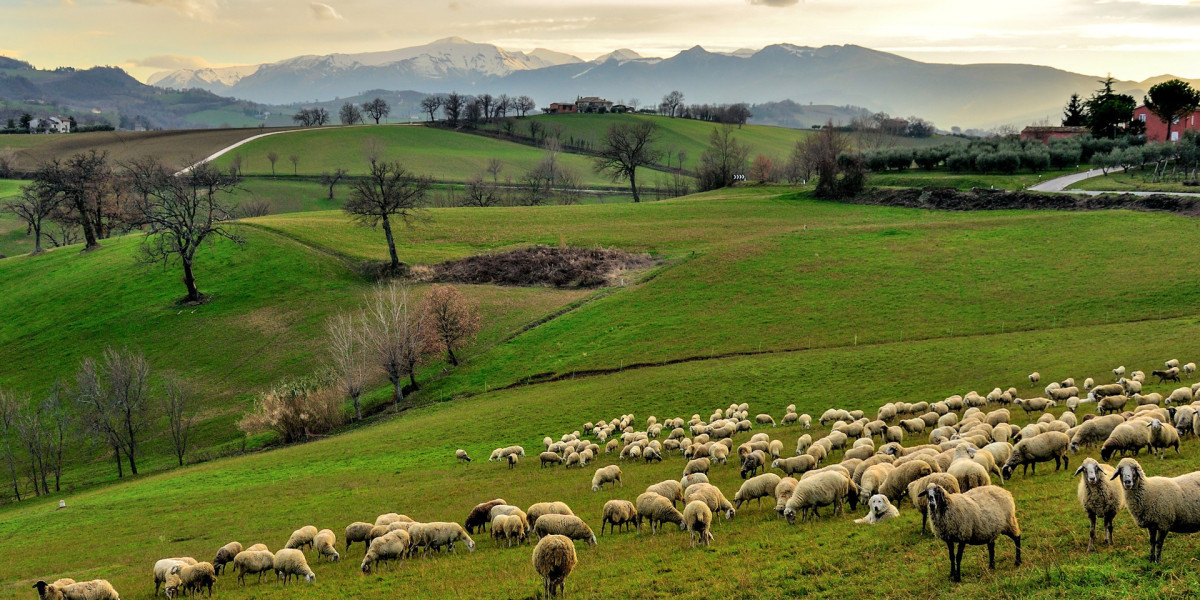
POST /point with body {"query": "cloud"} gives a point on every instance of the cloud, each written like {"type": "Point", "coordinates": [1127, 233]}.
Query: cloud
{"type": "Point", "coordinates": [773, 3]}
{"type": "Point", "coordinates": [193, 9]}
{"type": "Point", "coordinates": [324, 12]}
{"type": "Point", "coordinates": [170, 62]}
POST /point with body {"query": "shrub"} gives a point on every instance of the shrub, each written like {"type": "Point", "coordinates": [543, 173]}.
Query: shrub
{"type": "Point", "coordinates": [296, 410]}
{"type": "Point", "coordinates": [1035, 159]}
{"type": "Point", "coordinates": [1063, 156]}
{"type": "Point", "coordinates": [876, 161]}
{"type": "Point", "coordinates": [899, 159]}
{"type": "Point", "coordinates": [928, 158]}
{"type": "Point", "coordinates": [960, 161]}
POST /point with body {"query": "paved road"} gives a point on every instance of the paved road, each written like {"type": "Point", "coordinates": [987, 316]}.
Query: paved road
{"type": "Point", "coordinates": [1059, 184]}
{"type": "Point", "coordinates": [226, 149]}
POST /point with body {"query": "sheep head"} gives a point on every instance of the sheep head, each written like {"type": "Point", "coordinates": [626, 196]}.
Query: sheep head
{"type": "Point", "coordinates": [1090, 470]}
{"type": "Point", "coordinates": [1130, 472]}
{"type": "Point", "coordinates": [936, 498]}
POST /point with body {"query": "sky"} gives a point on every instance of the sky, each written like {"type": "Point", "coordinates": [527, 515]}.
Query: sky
{"type": "Point", "coordinates": [1131, 39]}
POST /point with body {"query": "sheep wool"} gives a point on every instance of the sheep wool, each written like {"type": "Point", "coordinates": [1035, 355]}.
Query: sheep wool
{"type": "Point", "coordinates": [1100, 496]}
{"type": "Point", "coordinates": [289, 563]}
{"type": "Point", "coordinates": [756, 488]}
{"type": "Point", "coordinates": [975, 517]}
{"type": "Point", "coordinates": [1161, 505]}
{"type": "Point", "coordinates": [225, 555]}
{"type": "Point", "coordinates": [383, 550]}
{"type": "Point", "coordinates": [326, 544]}
{"type": "Point", "coordinates": [554, 559]}
{"type": "Point", "coordinates": [697, 519]}
{"type": "Point", "coordinates": [610, 474]}
{"type": "Point", "coordinates": [302, 537]}
{"type": "Point", "coordinates": [253, 562]}
{"type": "Point", "coordinates": [569, 525]}
{"type": "Point", "coordinates": [96, 589]}
{"type": "Point", "coordinates": [619, 513]}
{"type": "Point", "coordinates": [712, 496]}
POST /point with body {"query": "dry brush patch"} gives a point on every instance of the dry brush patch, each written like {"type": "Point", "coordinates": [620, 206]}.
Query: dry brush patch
{"type": "Point", "coordinates": [562, 267]}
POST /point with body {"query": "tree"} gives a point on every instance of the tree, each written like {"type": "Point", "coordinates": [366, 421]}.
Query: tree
{"type": "Point", "coordinates": [1108, 111]}
{"type": "Point", "coordinates": [480, 193]}
{"type": "Point", "coordinates": [29, 427]}
{"type": "Point", "coordinates": [182, 212]}
{"type": "Point", "coordinates": [350, 114]}
{"type": "Point", "coordinates": [347, 345]}
{"type": "Point", "coordinates": [304, 117]}
{"type": "Point", "coordinates": [672, 102]}
{"type": "Point", "coordinates": [272, 157]}
{"type": "Point", "coordinates": [88, 194]}
{"type": "Point", "coordinates": [762, 169]}
{"type": "Point", "coordinates": [494, 166]}
{"type": "Point", "coordinates": [501, 106]}
{"type": "Point", "coordinates": [37, 203]}
{"type": "Point", "coordinates": [295, 160]}
{"type": "Point", "coordinates": [26, 119]}
{"type": "Point", "coordinates": [1073, 114]}
{"type": "Point", "coordinates": [56, 420]}
{"type": "Point", "coordinates": [627, 146]}
{"type": "Point", "coordinates": [431, 104]}
{"type": "Point", "coordinates": [1171, 101]}
{"type": "Point", "coordinates": [396, 333]}
{"type": "Point", "coordinates": [724, 159]}
{"type": "Point", "coordinates": [738, 113]}
{"type": "Point", "coordinates": [450, 320]}
{"type": "Point", "coordinates": [178, 404]}
{"type": "Point", "coordinates": [452, 107]}
{"type": "Point", "coordinates": [486, 102]}
{"type": "Point", "coordinates": [388, 191]}
{"type": "Point", "coordinates": [837, 177]}
{"type": "Point", "coordinates": [331, 179]}
{"type": "Point", "coordinates": [8, 431]}
{"type": "Point", "coordinates": [523, 104]}
{"type": "Point", "coordinates": [473, 111]}
{"type": "Point", "coordinates": [114, 396]}
{"type": "Point", "coordinates": [377, 109]}
{"type": "Point", "coordinates": [320, 116]}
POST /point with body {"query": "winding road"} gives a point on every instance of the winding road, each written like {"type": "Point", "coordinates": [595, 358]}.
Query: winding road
{"type": "Point", "coordinates": [1060, 184]}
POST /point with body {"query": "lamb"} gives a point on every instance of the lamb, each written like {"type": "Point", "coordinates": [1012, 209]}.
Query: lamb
{"type": "Point", "coordinates": [547, 508]}
{"type": "Point", "coordinates": [1163, 436]}
{"type": "Point", "coordinates": [878, 509]}
{"type": "Point", "coordinates": [699, 465]}
{"type": "Point", "coordinates": [302, 537]}
{"type": "Point", "coordinates": [897, 482]}
{"type": "Point", "coordinates": [711, 496]}
{"type": "Point", "coordinates": [390, 547]}
{"type": "Point", "coordinates": [438, 535]}
{"type": "Point", "coordinates": [568, 525]}
{"type": "Point", "coordinates": [822, 489]}
{"type": "Point", "coordinates": [1043, 447]}
{"type": "Point", "coordinates": [554, 559]}
{"type": "Point", "coordinates": [512, 460]}
{"type": "Point", "coordinates": [1126, 437]}
{"type": "Point", "coordinates": [289, 563]}
{"type": "Point", "coordinates": [225, 555]}
{"type": "Point", "coordinates": [96, 589]}
{"type": "Point", "coordinates": [251, 562]}
{"type": "Point", "coordinates": [762, 486]}
{"type": "Point", "coordinates": [610, 474]}
{"type": "Point", "coordinates": [326, 544]}
{"type": "Point", "coordinates": [1100, 496]}
{"type": "Point", "coordinates": [480, 516]}
{"type": "Point", "coordinates": [461, 455]}
{"type": "Point", "coordinates": [200, 575]}
{"type": "Point", "coordinates": [670, 489]}
{"type": "Point", "coordinates": [697, 519]}
{"type": "Point", "coordinates": [657, 510]}
{"type": "Point", "coordinates": [976, 517]}
{"type": "Point", "coordinates": [1160, 505]}
{"type": "Point", "coordinates": [947, 481]}
{"type": "Point", "coordinates": [619, 513]}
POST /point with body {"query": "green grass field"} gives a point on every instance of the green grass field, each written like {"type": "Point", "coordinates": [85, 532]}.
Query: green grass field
{"type": "Point", "coordinates": [764, 296]}
{"type": "Point", "coordinates": [176, 148]}
{"type": "Point", "coordinates": [1135, 181]}
{"type": "Point", "coordinates": [963, 181]}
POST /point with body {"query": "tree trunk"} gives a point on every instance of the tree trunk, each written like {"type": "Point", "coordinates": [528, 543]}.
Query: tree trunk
{"type": "Point", "coordinates": [1168, 130]}
{"type": "Point", "coordinates": [397, 390]}
{"type": "Point", "coordinates": [33, 474]}
{"type": "Point", "coordinates": [189, 280]}
{"type": "Point", "coordinates": [89, 230]}
{"type": "Point", "coordinates": [132, 450]}
{"type": "Point", "coordinates": [451, 356]}
{"type": "Point", "coordinates": [412, 378]}
{"type": "Point", "coordinates": [12, 470]}
{"type": "Point", "coordinates": [117, 454]}
{"type": "Point", "coordinates": [633, 184]}
{"type": "Point", "coordinates": [387, 230]}
{"type": "Point", "coordinates": [37, 237]}
{"type": "Point", "coordinates": [357, 410]}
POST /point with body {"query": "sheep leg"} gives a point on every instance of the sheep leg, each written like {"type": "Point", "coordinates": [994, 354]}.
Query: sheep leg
{"type": "Point", "coordinates": [1092, 534]}
{"type": "Point", "coordinates": [950, 550]}
{"type": "Point", "coordinates": [1108, 528]}
{"type": "Point", "coordinates": [991, 556]}
{"type": "Point", "coordinates": [958, 561]}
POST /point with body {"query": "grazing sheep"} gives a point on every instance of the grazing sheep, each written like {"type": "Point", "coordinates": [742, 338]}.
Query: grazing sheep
{"type": "Point", "coordinates": [1165, 375]}
{"type": "Point", "coordinates": [610, 474]}
{"type": "Point", "coordinates": [756, 488]}
{"type": "Point", "coordinates": [697, 519]}
{"type": "Point", "coordinates": [1094, 431]}
{"type": "Point", "coordinates": [393, 546]}
{"type": "Point", "coordinates": [753, 462]}
{"type": "Point", "coordinates": [1118, 372]}
{"type": "Point", "coordinates": [550, 458]}
{"type": "Point", "coordinates": [289, 563]}
{"type": "Point", "coordinates": [1043, 447]}
{"type": "Point", "coordinates": [783, 492]}
{"type": "Point", "coordinates": [763, 419]}
{"type": "Point", "coordinates": [162, 570]}
{"type": "Point", "coordinates": [1100, 496]}
{"type": "Point", "coordinates": [1125, 438]}
{"type": "Point", "coordinates": [806, 421]}
{"type": "Point", "coordinates": [1111, 404]}
{"type": "Point", "coordinates": [358, 532]}
{"type": "Point", "coordinates": [699, 465]}
{"type": "Point", "coordinates": [1030, 405]}
{"type": "Point", "coordinates": [225, 556]}
{"type": "Point", "coordinates": [896, 484]}
{"type": "Point", "coordinates": [975, 517]}
{"type": "Point", "coordinates": [435, 536]}
{"type": "Point", "coordinates": [1163, 436]}
{"type": "Point", "coordinates": [821, 489]}
{"type": "Point", "coordinates": [619, 513]}
{"type": "Point", "coordinates": [302, 537]}
{"type": "Point", "coordinates": [803, 443]}
{"type": "Point", "coordinates": [1160, 505]}
{"type": "Point", "coordinates": [461, 455]}
{"type": "Point", "coordinates": [657, 510]}
{"type": "Point", "coordinates": [547, 508]}
{"type": "Point", "coordinates": [872, 479]}
{"type": "Point", "coordinates": [1035, 377]}
{"type": "Point", "coordinates": [1189, 369]}
{"type": "Point", "coordinates": [200, 575]}
{"type": "Point", "coordinates": [554, 559]}
{"type": "Point", "coordinates": [1181, 395]}
{"type": "Point", "coordinates": [253, 562]}
{"type": "Point", "coordinates": [920, 502]}
{"type": "Point", "coordinates": [480, 516]}
{"type": "Point", "coordinates": [711, 496]}
{"type": "Point", "coordinates": [96, 589]}
{"type": "Point", "coordinates": [693, 479]}
{"type": "Point", "coordinates": [512, 461]}
{"type": "Point", "coordinates": [878, 509]}
{"type": "Point", "coordinates": [568, 525]}
{"type": "Point", "coordinates": [670, 489]}
{"type": "Point", "coordinates": [775, 448]}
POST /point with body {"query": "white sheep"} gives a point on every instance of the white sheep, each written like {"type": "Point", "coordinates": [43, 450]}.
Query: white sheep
{"type": "Point", "coordinates": [252, 562]}
{"type": "Point", "coordinates": [1163, 436]}
{"type": "Point", "coordinates": [697, 519]}
{"type": "Point", "coordinates": [554, 559]}
{"type": "Point", "coordinates": [289, 563]}
{"type": "Point", "coordinates": [756, 488]}
{"type": "Point", "coordinates": [610, 474]}
{"type": "Point", "coordinates": [975, 517]}
{"type": "Point", "coordinates": [1100, 496]}
{"type": "Point", "coordinates": [1160, 505]}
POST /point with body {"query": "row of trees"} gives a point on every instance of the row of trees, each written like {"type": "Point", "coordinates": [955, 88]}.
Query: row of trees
{"type": "Point", "coordinates": [471, 111]}
{"type": "Point", "coordinates": [1110, 114]}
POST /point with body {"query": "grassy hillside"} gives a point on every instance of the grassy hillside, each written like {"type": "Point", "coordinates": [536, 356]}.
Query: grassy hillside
{"type": "Point", "coordinates": [176, 148]}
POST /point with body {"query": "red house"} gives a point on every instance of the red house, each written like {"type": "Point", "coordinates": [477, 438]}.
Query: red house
{"type": "Point", "coordinates": [1156, 129]}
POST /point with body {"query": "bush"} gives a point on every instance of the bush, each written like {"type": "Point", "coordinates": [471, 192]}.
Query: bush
{"type": "Point", "coordinates": [960, 161]}
{"type": "Point", "coordinates": [928, 158]}
{"type": "Point", "coordinates": [1035, 159]}
{"type": "Point", "coordinates": [296, 410]}
{"type": "Point", "coordinates": [876, 161]}
{"type": "Point", "coordinates": [899, 159]}
{"type": "Point", "coordinates": [1063, 156]}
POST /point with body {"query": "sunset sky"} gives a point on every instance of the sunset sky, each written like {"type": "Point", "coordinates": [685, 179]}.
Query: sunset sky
{"type": "Point", "coordinates": [1132, 39]}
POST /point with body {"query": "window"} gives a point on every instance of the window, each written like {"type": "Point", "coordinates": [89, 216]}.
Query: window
{"type": "Point", "coordinates": [1174, 136]}
{"type": "Point", "coordinates": [1142, 118]}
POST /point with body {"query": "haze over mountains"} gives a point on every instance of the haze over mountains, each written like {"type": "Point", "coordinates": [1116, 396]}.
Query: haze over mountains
{"type": "Point", "coordinates": [978, 95]}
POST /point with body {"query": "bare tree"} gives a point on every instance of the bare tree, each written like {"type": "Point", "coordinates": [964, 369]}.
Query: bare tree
{"type": "Point", "coordinates": [724, 159]}
{"type": "Point", "coordinates": [377, 109]}
{"type": "Point", "coordinates": [626, 147]}
{"type": "Point", "coordinates": [272, 157]}
{"type": "Point", "coordinates": [480, 193]}
{"type": "Point", "coordinates": [37, 203]}
{"type": "Point", "coordinates": [570, 186]}
{"type": "Point", "coordinates": [633, 104]}
{"type": "Point", "coordinates": [450, 321]}
{"type": "Point", "coordinates": [29, 426]}
{"type": "Point", "coordinates": [178, 404]}
{"type": "Point", "coordinates": [672, 103]}
{"type": "Point", "coordinates": [295, 160]}
{"type": "Point", "coordinates": [349, 114]}
{"type": "Point", "coordinates": [396, 331]}
{"type": "Point", "coordinates": [834, 181]}
{"type": "Point", "coordinates": [388, 191]}
{"type": "Point", "coordinates": [58, 418]}
{"type": "Point", "coordinates": [347, 345]}
{"type": "Point", "coordinates": [452, 108]}
{"type": "Point", "coordinates": [494, 166]}
{"type": "Point", "coordinates": [486, 102]}
{"type": "Point", "coordinates": [114, 395]}
{"type": "Point", "coordinates": [182, 212]}
{"type": "Point", "coordinates": [523, 104]}
{"type": "Point", "coordinates": [85, 184]}
{"type": "Point", "coordinates": [431, 104]}
{"type": "Point", "coordinates": [331, 179]}
{"type": "Point", "coordinates": [8, 431]}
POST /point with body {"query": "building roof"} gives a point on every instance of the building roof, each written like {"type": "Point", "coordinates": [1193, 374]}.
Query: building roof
{"type": "Point", "coordinates": [1047, 129]}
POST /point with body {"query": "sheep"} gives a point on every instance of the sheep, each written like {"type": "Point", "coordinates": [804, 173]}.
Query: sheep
{"type": "Point", "coordinates": [512, 460]}
{"type": "Point", "coordinates": [872, 479]}
{"type": "Point", "coordinates": [1066, 392]}
{"type": "Point", "coordinates": [822, 489]}
{"type": "Point", "coordinates": [1030, 405]}
{"type": "Point", "coordinates": [1127, 437]}
{"type": "Point", "coordinates": [657, 510]}
{"type": "Point", "coordinates": [806, 421]}
{"type": "Point", "coordinates": [96, 589]}
{"type": "Point", "coordinates": [289, 563]}
{"type": "Point", "coordinates": [762, 486]}
{"type": "Point", "coordinates": [969, 473]}
{"type": "Point", "coordinates": [1118, 372]}
{"type": "Point", "coordinates": [1163, 436]}
{"type": "Point", "coordinates": [699, 465]}
{"type": "Point", "coordinates": [301, 537]}
{"type": "Point", "coordinates": [783, 492]}
{"type": "Point", "coordinates": [1094, 431]}
{"type": "Point", "coordinates": [550, 458]}
{"type": "Point", "coordinates": [1131, 387]}
{"type": "Point", "coordinates": [1181, 395]}
{"type": "Point", "coordinates": [1189, 369]}
{"type": "Point", "coordinates": [618, 513]}
{"type": "Point", "coordinates": [610, 474]}
{"type": "Point", "coordinates": [896, 484]}
{"type": "Point", "coordinates": [1160, 505]}
{"type": "Point", "coordinates": [225, 555]}
{"type": "Point", "coordinates": [711, 496]}
{"type": "Point", "coordinates": [1111, 404]}
{"type": "Point", "coordinates": [326, 544]}
{"type": "Point", "coordinates": [385, 549]}
{"type": "Point", "coordinates": [754, 461]}
{"type": "Point", "coordinates": [461, 455]}
{"type": "Point", "coordinates": [803, 443]}
{"type": "Point", "coordinates": [1034, 377]}
{"type": "Point", "coordinates": [893, 434]}
{"type": "Point", "coordinates": [480, 515]}
{"type": "Point", "coordinates": [438, 535]}
{"type": "Point", "coordinates": [1165, 375]}
{"type": "Point", "coordinates": [200, 575]}
{"type": "Point", "coordinates": [976, 517]}
{"type": "Point", "coordinates": [1043, 447]}
{"type": "Point", "coordinates": [568, 525]}
{"type": "Point", "coordinates": [789, 418]}
{"type": "Point", "coordinates": [697, 519]}
{"type": "Point", "coordinates": [775, 448]}
{"type": "Point", "coordinates": [251, 562]}
{"type": "Point", "coordinates": [1100, 496]}
{"type": "Point", "coordinates": [878, 509]}
{"type": "Point", "coordinates": [1000, 451]}
{"type": "Point", "coordinates": [554, 559]}
{"type": "Point", "coordinates": [547, 508]}
{"type": "Point", "coordinates": [920, 502]}
{"type": "Point", "coordinates": [693, 479]}
{"type": "Point", "coordinates": [763, 419]}
{"type": "Point", "coordinates": [377, 532]}
{"type": "Point", "coordinates": [162, 569]}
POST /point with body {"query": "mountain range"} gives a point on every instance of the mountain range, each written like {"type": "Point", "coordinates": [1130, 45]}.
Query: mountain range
{"type": "Point", "coordinates": [975, 95]}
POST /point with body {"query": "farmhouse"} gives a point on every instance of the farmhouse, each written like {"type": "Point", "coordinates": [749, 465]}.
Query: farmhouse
{"type": "Point", "coordinates": [1156, 128]}
{"type": "Point", "coordinates": [560, 108]}
{"type": "Point", "coordinates": [583, 104]}
{"type": "Point", "coordinates": [50, 125]}
{"type": "Point", "coordinates": [1045, 134]}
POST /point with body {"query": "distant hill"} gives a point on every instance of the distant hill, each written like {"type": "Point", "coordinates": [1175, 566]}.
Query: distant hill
{"type": "Point", "coordinates": [787, 113]}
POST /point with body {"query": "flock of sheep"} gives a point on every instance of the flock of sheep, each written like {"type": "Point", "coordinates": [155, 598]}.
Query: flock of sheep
{"type": "Point", "coordinates": [969, 439]}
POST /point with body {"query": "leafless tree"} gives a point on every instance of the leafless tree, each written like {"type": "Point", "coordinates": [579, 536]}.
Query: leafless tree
{"type": "Point", "coordinates": [450, 320]}
{"type": "Point", "coordinates": [57, 419]}
{"type": "Point", "coordinates": [329, 180]}
{"type": "Point", "coordinates": [626, 147]}
{"type": "Point", "coordinates": [376, 109]}
{"type": "Point", "coordinates": [347, 345]}
{"type": "Point", "coordinates": [633, 104]}
{"type": "Point", "coordinates": [8, 429]}
{"type": "Point", "coordinates": [389, 191]}
{"type": "Point", "coordinates": [396, 331]}
{"type": "Point", "coordinates": [235, 164]}
{"type": "Point", "coordinates": [501, 106]}
{"type": "Point", "coordinates": [114, 397]}
{"type": "Point", "coordinates": [179, 405]}
{"type": "Point", "coordinates": [430, 105]}
{"type": "Point", "coordinates": [37, 203]}
{"type": "Point", "coordinates": [570, 186]}
{"type": "Point", "coordinates": [452, 108]}
{"type": "Point", "coordinates": [29, 426]}
{"type": "Point", "coordinates": [349, 114]}
{"type": "Point", "coordinates": [832, 180]}
{"type": "Point", "coordinates": [480, 193]}
{"type": "Point", "coordinates": [672, 103]}
{"type": "Point", "coordinates": [181, 212]}
{"type": "Point", "coordinates": [724, 159]}
{"type": "Point", "coordinates": [272, 156]}
{"type": "Point", "coordinates": [523, 104]}
{"type": "Point", "coordinates": [486, 102]}
{"type": "Point", "coordinates": [494, 166]}
{"type": "Point", "coordinates": [85, 184]}
{"type": "Point", "coordinates": [295, 160]}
